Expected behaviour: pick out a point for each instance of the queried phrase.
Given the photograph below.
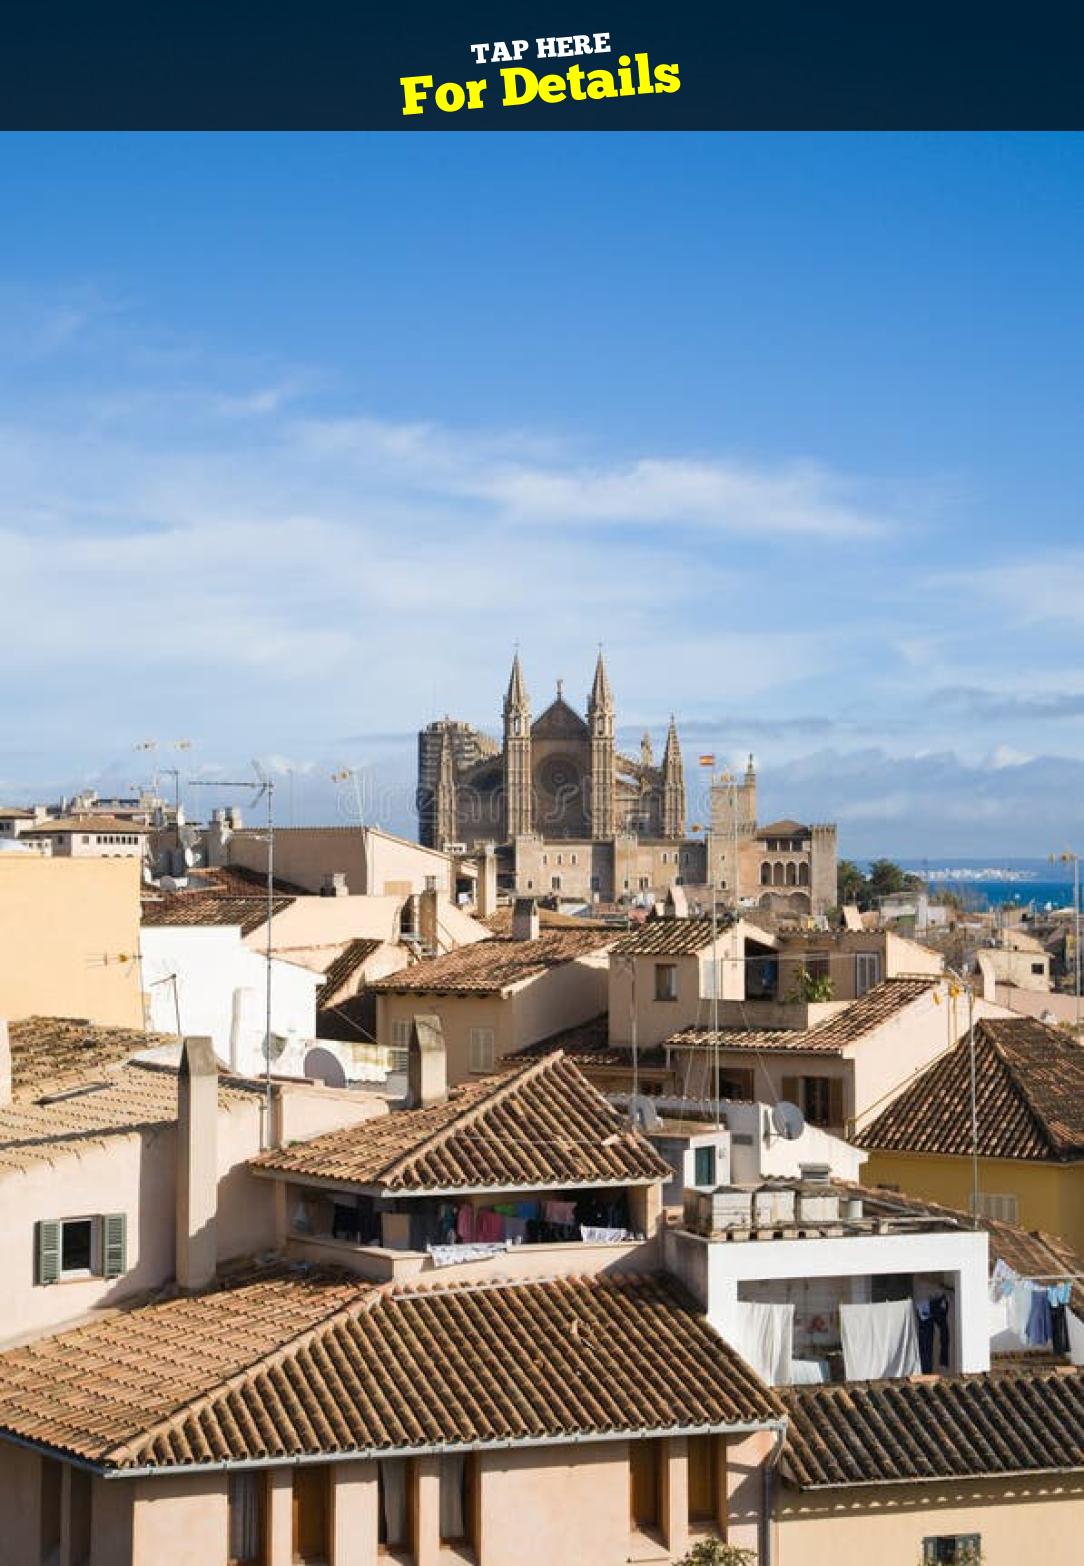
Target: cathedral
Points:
(573, 817)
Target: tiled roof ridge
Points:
(128, 1452)
(504, 1085)
(417, 1288)
(1019, 1081)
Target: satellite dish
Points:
(325, 1067)
(644, 1115)
(788, 1120)
(278, 1047)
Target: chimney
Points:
(334, 885)
(525, 922)
(427, 1064)
(486, 901)
(427, 918)
(197, 1164)
(5, 1065)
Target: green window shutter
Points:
(48, 1249)
(114, 1245)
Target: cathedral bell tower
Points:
(517, 756)
(673, 786)
(446, 811)
(600, 722)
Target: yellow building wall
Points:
(1017, 1520)
(1050, 1195)
(69, 939)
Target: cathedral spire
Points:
(602, 698)
(517, 689)
(673, 785)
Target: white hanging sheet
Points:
(764, 1339)
(879, 1340)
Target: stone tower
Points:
(600, 722)
(446, 812)
(517, 755)
(673, 786)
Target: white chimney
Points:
(197, 1164)
(5, 1065)
(525, 921)
(427, 1064)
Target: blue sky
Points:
(299, 434)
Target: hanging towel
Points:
(489, 1227)
(464, 1223)
(1075, 1328)
(1002, 1280)
(879, 1340)
(451, 1255)
(1059, 1293)
(1021, 1308)
(560, 1212)
(1039, 1326)
(764, 1335)
(593, 1234)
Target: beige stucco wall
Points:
(1018, 1520)
(69, 938)
(534, 1009)
(375, 863)
(632, 990)
(135, 1175)
(179, 1521)
(306, 930)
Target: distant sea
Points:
(987, 883)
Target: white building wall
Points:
(217, 980)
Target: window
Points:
(645, 1483)
(400, 1033)
(595, 883)
(867, 971)
(396, 1508)
(1004, 1208)
(310, 1520)
(247, 1519)
(1038, 967)
(819, 1098)
(458, 1498)
(704, 1166)
(736, 1082)
(645, 883)
(530, 886)
(707, 1457)
(72, 1248)
(555, 883)
(558, 861)
(666, 986)
(482, 1049)
(960, 1549)
(572, 858)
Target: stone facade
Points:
(579, 819)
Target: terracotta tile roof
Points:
(879, 1432)
(86, 824)
(296, 1363)
(587, 1045)
(541, 1125)
(239, 881)
(49, 1054)
(118, 1101)
(500, 923)
(668, 937)
(493, 966)
(1030, 1097)
(785, 828)
(831, 1037)
(343, 967)
(198, 908)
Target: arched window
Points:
(765, 874)
(777, 874)
(792, 874)
(803, 874)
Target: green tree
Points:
(713, 1552)
(851, 884)
(809, 987)
(886, 879)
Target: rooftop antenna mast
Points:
(264, 786)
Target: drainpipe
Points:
(768, 1471)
